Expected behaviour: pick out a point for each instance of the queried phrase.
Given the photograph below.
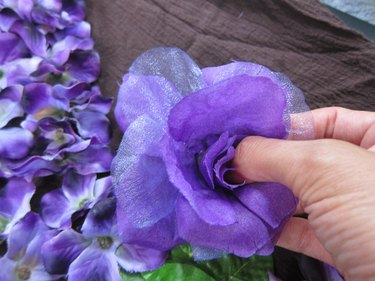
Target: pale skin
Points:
(333, 176)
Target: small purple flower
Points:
(78, 192)
(98, 250)
(182, 125)
(23, 259)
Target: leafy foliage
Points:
(182, 267)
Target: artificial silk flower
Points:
(78, 192)
(181, 127)
(23, 260)
(98, 249)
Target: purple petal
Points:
(78, 187)
(9, 105)
(213, 206)
(69, 92)
(263, 199)
(242, 105)
(14, 202)
(84, 66)
(134, 258)
(96, 102)
(19, 71)
(34, 40)
(33, 253)
(185, 74)
(7, 18)
(94, 159)
(36, 166)
(39, 100)
(102, 187)
(59, 252)
(29, 227)
(93, 124)
(98, 265)
(7, 272)
(139, 176)
(242, 238)
(56, 215)
(100, 219)
(11, 47)
(295, 98)
(161, 235)
(61, 50)
(140, 95)
(81, 29)
(15, 143)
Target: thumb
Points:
(313, 170)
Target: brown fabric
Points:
(333, 65)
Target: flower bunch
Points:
(56, 205)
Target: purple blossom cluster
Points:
(53, 124)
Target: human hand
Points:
(333, 177)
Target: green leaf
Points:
(131, 276)
(228, 268)
(232, 268)
(178, 271)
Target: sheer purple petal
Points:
(243, 105)
(15, 143)
(11, 47)
(134, 258)
(149, 95)
(202, 254)
(98, 265)
(55, 209)
(59, 252)
(185, 74)
(264, 200)
(242, 238)
(139, 176)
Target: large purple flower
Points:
(182, 125)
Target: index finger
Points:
(356, 127)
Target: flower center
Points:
(1, 74)
(105, 242)
(82, 203)
(23, 273)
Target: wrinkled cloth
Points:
(332, 64)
